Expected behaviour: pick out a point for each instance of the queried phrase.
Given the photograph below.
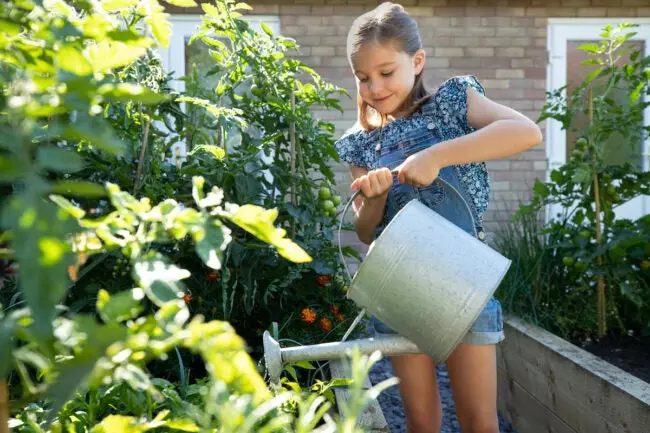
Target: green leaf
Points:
(259, 222)
(9, 27)
(159, 279)
(72, 60)
(590, 48)
(593, 74)
(120, 306)
(65, 204)
(127, 92)
(107, 55)
(73, 372)
(217, 151)
(78, 188)
(635, 95)
(10, 168)
(183, 425)
(95, 132)
(7, 344)
(182, 3)
(243, 7)
(211, 246)
(582, 175)
(116, 5)
(267, 29)
(58, 159)
(160, 26)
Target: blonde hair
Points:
(388, 23)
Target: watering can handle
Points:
(345, 265)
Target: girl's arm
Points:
(369, 206)
(501, 132)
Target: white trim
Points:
(560, 31)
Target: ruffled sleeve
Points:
(355, 148)
(451, 101)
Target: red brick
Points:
(592, 12)
(510, 73)
(449, 52)
(496, 41)
(535, 73)
(621, 12)
(576, 3)
(448, 11)
(511, 11)
(510, 52)
(466, 21)
(536, 12)
(295, 10)
(480, 52)
(478, 11)
(322, 10)
(511, 31)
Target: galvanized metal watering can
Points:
(424, 277)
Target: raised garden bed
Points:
(547, 384)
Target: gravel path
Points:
(391, 402)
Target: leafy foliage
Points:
(586, 247)
(105, 281)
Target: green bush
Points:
(107, 282)
(586, 268)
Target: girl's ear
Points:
(418, 61)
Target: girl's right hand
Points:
(374, 184)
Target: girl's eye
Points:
(387, 74)
(363, 80)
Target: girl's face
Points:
(385, 76)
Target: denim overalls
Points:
(447, 195)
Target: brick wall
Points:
(502, 42)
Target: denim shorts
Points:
(487, 329)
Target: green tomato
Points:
(585, 234)
(337, 200)
(324, 193)
(332, 212)
(328, 205)
(581, 142)
(568, 261)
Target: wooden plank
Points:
(587, 393)
(372, 417)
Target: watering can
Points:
(423, 276)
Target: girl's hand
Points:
(375, 183)
(418, 170)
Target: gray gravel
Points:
(391, 402)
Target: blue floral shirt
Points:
(448, 105)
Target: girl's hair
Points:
(388, 23)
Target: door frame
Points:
(561, 30)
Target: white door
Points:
(179, 57)
(564, 37)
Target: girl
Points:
(448, 134)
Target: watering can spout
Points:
(275, 357)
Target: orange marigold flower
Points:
(308, 315)
(322, 280)
(187, 298)
(212, 276)
(340, 318)
(325, 324)
(334, 309)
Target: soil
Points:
(631, 354)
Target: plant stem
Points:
(4, 407)
(602, 307)
(292, 141)
(143, 152)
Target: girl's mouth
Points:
(380, 100)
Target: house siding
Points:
(502, 42)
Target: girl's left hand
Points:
(419, 170)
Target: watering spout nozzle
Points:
(275, 357)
